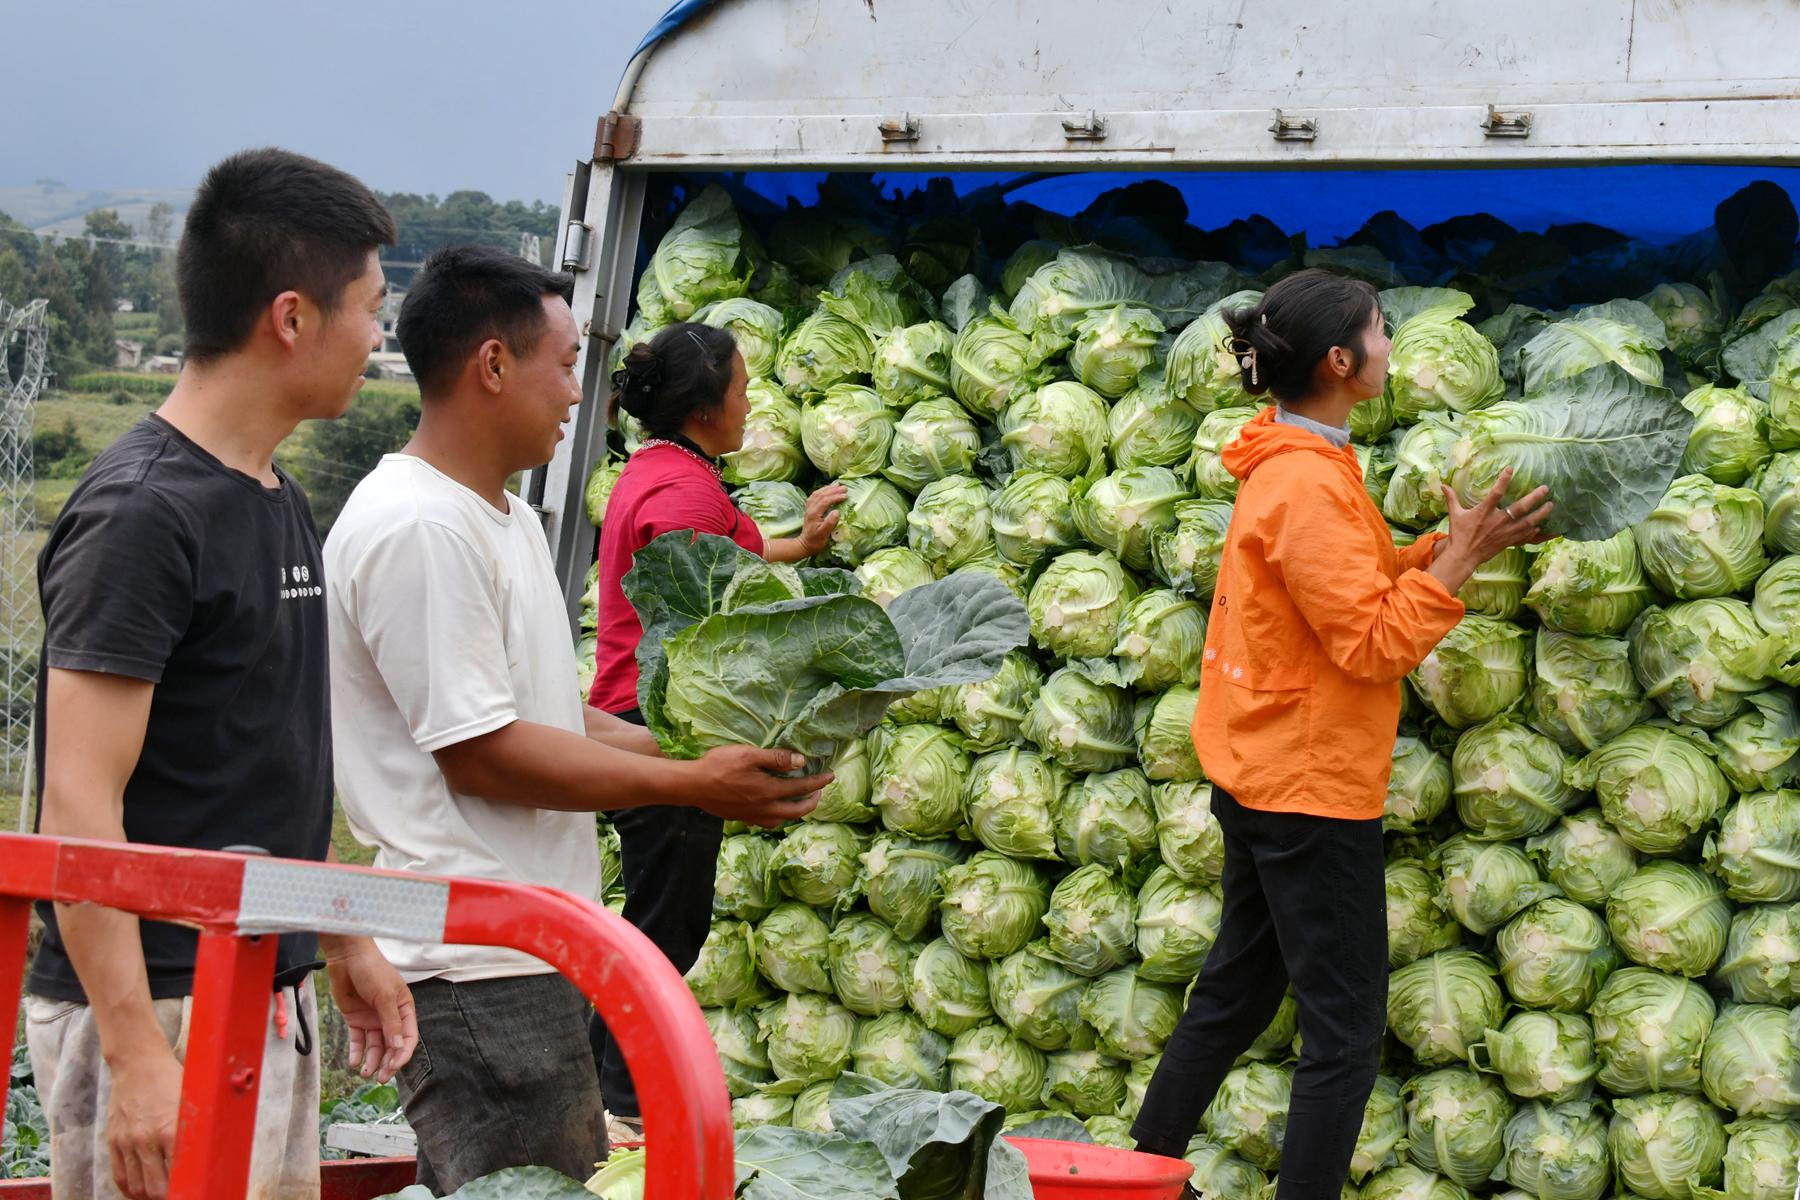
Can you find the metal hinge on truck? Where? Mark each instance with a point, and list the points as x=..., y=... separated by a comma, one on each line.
x=617, y=137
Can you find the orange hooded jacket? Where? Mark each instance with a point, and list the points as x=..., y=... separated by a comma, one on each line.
x=1315, y=620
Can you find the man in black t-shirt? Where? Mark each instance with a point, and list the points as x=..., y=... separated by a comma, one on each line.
x=183, y=696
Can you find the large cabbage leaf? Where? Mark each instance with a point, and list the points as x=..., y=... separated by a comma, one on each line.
x=738, y=651
x=1605, y=442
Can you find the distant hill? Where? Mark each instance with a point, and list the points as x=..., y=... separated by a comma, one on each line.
x=51, y=207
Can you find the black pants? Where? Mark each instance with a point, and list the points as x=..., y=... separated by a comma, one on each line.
x=1305, y=902
x=499, y=1080
x=668, y=857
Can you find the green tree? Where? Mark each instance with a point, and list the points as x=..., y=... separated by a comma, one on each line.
x=329, y=458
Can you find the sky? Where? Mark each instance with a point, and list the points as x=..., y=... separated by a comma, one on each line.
x=408, y=95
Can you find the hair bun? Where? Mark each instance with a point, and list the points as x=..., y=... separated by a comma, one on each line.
x=640, y=373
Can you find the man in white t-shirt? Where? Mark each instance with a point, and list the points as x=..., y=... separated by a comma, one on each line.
x=462, y=743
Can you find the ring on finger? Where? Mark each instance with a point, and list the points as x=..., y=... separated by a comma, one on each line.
x=1509, y=513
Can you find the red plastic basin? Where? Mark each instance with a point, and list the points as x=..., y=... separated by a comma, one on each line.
x=1074, y=1171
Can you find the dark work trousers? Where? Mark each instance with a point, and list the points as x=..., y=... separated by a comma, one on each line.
x=1305, y=902
x=668, y=856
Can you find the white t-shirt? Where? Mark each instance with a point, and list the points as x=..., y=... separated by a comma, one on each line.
x=447, y=623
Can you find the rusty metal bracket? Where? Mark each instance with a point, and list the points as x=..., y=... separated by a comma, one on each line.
x=617, y=137
x=1085, y=127
x=1294, y=129
x=1506, y=124
x=903, y=128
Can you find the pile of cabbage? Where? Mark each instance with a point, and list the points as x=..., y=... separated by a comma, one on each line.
x=1594, y=813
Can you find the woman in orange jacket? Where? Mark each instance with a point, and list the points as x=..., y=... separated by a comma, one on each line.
x=1315, y=620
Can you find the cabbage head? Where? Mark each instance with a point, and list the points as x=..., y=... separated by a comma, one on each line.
x=1085, y=1082
x=779, y=509
x=912, y=363
x=1760, y=750
x=1591, y=588
x=823, y=351
x=1121, y=513
x=1762, y=1162
x=1113, y=346
x=870, y=965
x=1702, y=660
x=1509, y=781
x=1497, y=588
x=1547, y=1056
x=1477, y=672
x=847, y=431
x=1558, y=1151
x=1440, y=362
x=1415, y=494
x=762, y=1108
x=990, y=712
x=1378, y=1142
x=886, y=574
x=1657, y=785
x=1249, y=1113
x=902, y=879
x=1082, y=724
x=1584, y=856
x=812, y=1107
x=744, y=881
x=1777, y=611
x=1756, y=849
x=1666, y=1143
x=950, y=524
x=1186, y=555
x=701, y=259
x=1106, y=818
x=1092, y=922
x=1570, y=347
x=1161, y=636
x=992, y=905
x=1165, y=736
x=1012, y=795
x=1417, y=924
x=1555, y=955
x=1455, y=1120
x=754, y=326
x=1221, y=1175
x=1760, y=955
x=1442, y=1004
x=1703, y=539
x=918, y=779
x=599, y=487
x=1037, y=998
x=1778, y=486
x=1138, y=1075
x=1077, y=603
x=1649, y=1031
x=816, y=862
x=1749, y=1065
x=1177, y=924
x=948, y=991
x=1670, y=917
x=1205, y=465
x=1583, y=693
x=1151, y=426
x=1407, y=1182
x=809, y=1037
x=792, y=949
x=1419, y=785
x=1486, y=883
x=933, y=439
x=871, y=519
x=993, y=1064
x=1377, y=463
x=725, y=972
x=992, y=364
x=1034, y=518
x=743, y=1053
x=1188, y=835
x=1134, y=1016
x=1730, y=439
x=1369, y=422
x=1059, y=428
x=1691, y=321
x=1200, y=370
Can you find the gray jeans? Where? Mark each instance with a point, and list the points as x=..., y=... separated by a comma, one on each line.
x=503, y=1077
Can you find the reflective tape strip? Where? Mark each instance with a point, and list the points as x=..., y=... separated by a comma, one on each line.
x=283, y=897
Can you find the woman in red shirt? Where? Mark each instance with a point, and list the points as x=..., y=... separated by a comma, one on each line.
x=687, y=387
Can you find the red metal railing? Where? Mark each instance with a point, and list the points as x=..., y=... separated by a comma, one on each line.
x=238, y=901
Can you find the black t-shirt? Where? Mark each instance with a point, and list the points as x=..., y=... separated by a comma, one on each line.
x=168, y=566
